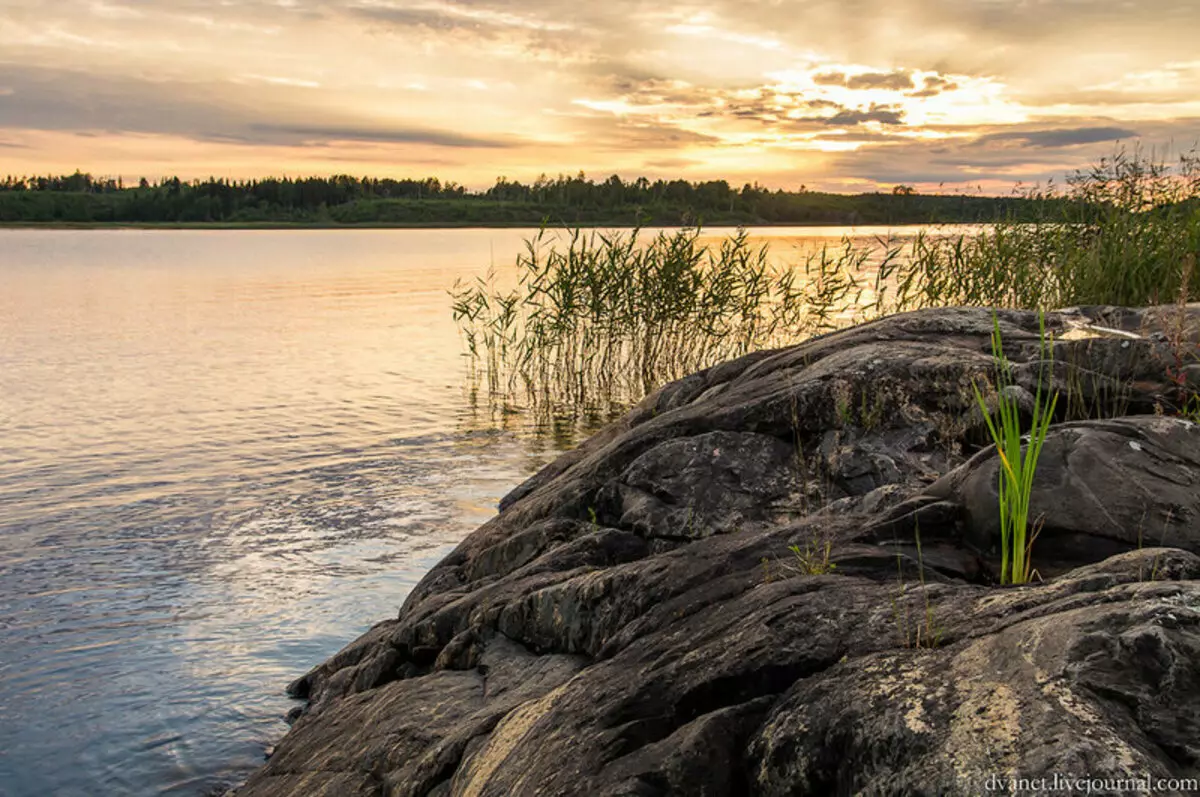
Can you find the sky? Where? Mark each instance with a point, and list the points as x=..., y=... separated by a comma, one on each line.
x=840, y=95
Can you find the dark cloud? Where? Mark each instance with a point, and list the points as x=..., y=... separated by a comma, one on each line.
x=627, y=136
x=68, y=101
x=1107, y=97
x=859, y=135
x=768, y=105
x=849, y=117
x=419, y=18
x=667, y=164
x=310, y=135
x=934, y=85
x=898, y=80
x=480, y=19
x=965, y=162
x=243, y=10
x=910, y=162
x=657, y=91
x=771, y=106
x=1062, y=137
x=534, y=29
x=830, y=78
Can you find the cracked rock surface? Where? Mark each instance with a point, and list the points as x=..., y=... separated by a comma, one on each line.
x=633, y=622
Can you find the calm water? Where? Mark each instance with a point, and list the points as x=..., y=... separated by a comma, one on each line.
x=222, y=456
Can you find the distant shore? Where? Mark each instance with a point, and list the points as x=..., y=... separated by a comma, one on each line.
x=448, y=225
x=80, y=201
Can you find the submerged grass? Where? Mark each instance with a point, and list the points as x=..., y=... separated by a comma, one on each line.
x=600, y=318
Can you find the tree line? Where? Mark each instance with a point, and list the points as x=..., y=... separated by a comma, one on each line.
x=348, y=200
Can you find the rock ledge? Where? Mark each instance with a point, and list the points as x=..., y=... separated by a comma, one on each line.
x=634, y=623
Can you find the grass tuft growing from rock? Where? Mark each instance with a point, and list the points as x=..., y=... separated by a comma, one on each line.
x=813, y=558
x=923, y=632
x=1018, y=461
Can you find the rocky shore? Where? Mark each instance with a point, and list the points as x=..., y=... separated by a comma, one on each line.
x=778, y=577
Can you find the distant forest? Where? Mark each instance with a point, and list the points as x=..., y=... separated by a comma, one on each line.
x=343, y=200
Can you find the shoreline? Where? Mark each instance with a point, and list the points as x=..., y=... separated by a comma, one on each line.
x=707, y=580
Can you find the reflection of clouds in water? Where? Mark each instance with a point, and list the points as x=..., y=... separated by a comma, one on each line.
x=351, y=519
x=182, y=644
x=295, y=579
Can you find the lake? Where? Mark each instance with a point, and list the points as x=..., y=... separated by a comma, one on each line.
x=223, y=455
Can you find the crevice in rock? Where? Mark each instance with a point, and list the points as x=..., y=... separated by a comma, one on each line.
x=705, y=698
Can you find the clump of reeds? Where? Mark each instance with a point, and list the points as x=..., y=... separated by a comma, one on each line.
x=1118, y=233
x=605, y=317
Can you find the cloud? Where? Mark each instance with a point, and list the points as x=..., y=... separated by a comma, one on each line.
x=850, y=117
x=933, y=86
x=611, y=133
x=752, y=87
x=772, y=106
x=1064, y=137
x=857, y=135
x=898, y=80
x=448, y=16
x=418, y=18
x=927, y=163
x=318, y=135
x=666, y=164
x=63, y=100
x=998, y=158
x=661, y=91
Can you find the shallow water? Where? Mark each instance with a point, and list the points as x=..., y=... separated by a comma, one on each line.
x=223, y=454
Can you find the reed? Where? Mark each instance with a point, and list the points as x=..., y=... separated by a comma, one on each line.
x=598, y=319
x=1119, y=233
x=1018, y=460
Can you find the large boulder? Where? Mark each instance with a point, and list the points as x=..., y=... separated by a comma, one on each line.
x=779, y=576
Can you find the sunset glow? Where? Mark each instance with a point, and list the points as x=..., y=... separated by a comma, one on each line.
x=844, y=95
